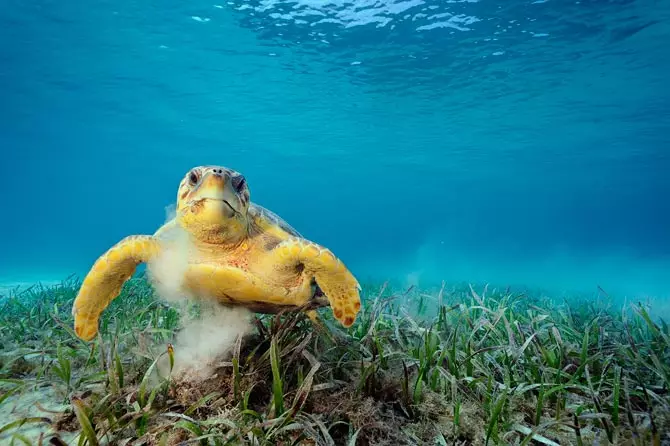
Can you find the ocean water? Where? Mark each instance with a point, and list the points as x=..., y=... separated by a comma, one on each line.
x=511, y=142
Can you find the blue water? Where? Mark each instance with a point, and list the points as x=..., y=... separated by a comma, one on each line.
x=522, y=142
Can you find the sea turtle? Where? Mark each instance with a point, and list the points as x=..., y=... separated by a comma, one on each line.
x=239, y=254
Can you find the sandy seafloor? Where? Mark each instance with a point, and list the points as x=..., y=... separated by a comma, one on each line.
x=24, y=404
x=33, y=402
x=38, y=402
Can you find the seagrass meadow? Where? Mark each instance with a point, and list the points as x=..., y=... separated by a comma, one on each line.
x=456, y=365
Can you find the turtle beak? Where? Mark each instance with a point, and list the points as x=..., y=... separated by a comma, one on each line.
x=218, y=187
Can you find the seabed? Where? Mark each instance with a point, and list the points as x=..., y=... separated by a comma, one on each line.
x=452, y=366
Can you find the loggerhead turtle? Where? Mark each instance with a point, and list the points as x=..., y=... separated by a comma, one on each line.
x=240, y=254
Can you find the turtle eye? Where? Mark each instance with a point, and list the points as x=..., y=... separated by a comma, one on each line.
x=239, y=182
x=193, y=177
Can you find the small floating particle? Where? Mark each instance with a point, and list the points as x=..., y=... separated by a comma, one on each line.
x=356, y=63
x=200, y=19
x=498, y=53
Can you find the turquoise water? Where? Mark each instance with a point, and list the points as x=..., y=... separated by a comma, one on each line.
x=512, y=142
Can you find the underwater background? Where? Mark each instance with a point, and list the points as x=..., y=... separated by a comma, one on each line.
x=510, y=142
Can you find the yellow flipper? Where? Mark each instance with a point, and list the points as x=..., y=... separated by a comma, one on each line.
x=335, y=280
x=104, y=281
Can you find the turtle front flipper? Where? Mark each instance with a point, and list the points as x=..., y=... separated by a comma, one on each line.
x=335, y=280
x=104, y=281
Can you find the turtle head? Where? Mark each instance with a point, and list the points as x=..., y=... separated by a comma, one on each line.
x=212, y=204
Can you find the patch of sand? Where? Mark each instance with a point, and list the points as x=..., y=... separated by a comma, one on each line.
x=25, y=404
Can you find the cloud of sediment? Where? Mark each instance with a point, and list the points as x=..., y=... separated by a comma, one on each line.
x=166, y=271
x=202, y=340
x=209, y=339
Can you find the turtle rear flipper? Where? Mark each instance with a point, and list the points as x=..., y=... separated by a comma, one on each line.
x=103, y=282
